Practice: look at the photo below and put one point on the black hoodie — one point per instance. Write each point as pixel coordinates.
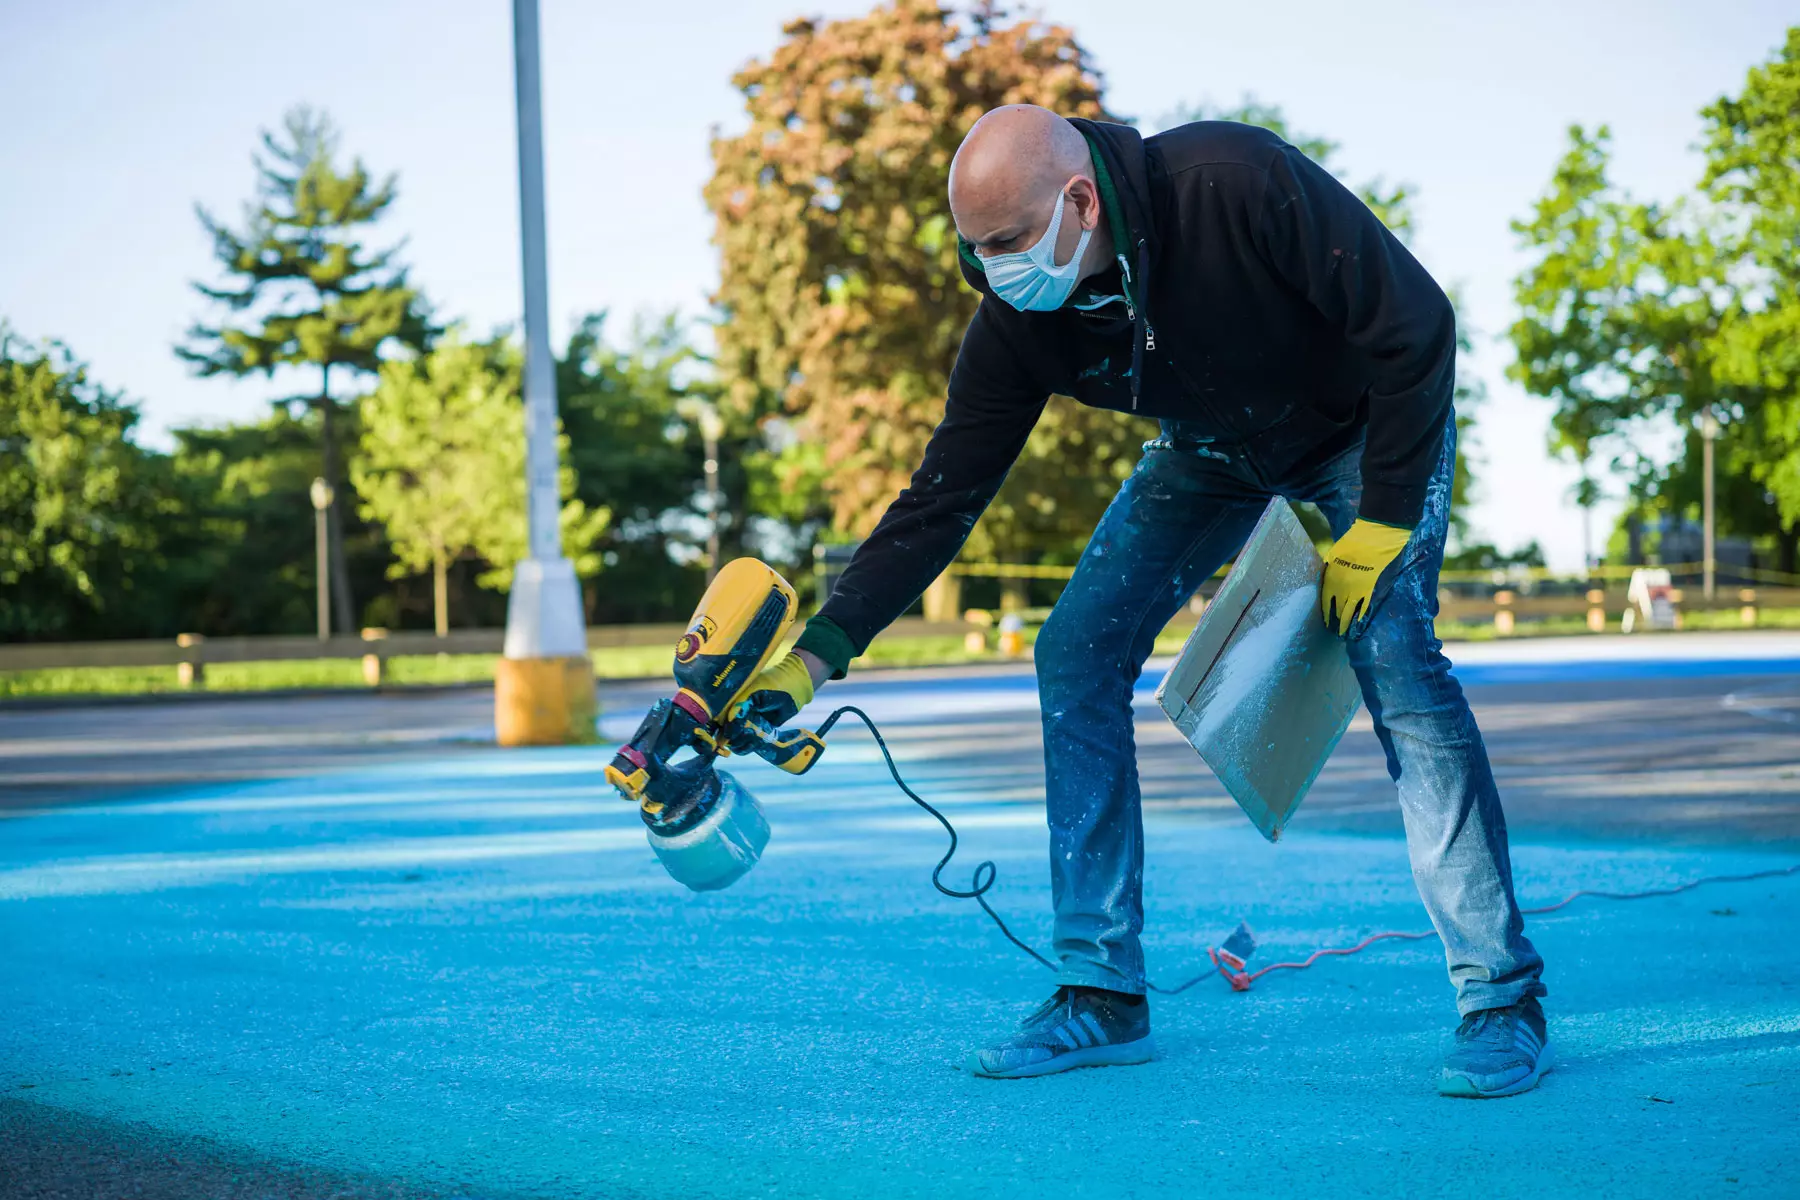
(1268, 306)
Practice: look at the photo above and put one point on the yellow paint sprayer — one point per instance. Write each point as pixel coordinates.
(706, 827)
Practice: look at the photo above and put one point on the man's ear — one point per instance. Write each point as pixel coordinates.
(1086, 194)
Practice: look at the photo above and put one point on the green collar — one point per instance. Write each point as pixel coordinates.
(1115, 211)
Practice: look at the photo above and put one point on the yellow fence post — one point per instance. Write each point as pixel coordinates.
(374, 663)
(1012, 635)
(190, 672)
(1747, 598)
(1503, 614)
(975, 641)
(1596, 613)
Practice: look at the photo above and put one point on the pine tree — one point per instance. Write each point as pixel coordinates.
(303, 290)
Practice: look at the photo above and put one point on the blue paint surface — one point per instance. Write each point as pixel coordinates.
(472, 975)
(1612, 672)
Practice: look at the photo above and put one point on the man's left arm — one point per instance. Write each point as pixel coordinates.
(1327, 244)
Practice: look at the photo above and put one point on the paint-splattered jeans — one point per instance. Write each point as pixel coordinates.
(1187, 508)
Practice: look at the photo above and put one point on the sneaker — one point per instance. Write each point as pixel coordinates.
(1498, 1052)
(1076, 1027)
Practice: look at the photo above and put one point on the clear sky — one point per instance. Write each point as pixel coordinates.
(118, 117)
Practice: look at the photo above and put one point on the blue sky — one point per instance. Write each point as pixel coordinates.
(119, 117)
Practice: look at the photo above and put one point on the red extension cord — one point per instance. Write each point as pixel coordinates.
(1232, 967)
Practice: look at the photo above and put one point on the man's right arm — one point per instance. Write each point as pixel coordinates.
(993, 404)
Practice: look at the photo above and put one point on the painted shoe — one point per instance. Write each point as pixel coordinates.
(1498, 1052)
(1076, 1027)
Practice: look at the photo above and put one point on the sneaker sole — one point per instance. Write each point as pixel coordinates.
(1461, 1086)
(1125, 1054)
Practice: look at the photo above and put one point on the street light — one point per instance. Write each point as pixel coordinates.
(705, 414)
(544, 683)
(1709, 433)
(321, 502)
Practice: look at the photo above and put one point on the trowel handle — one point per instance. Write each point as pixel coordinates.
(793, 750)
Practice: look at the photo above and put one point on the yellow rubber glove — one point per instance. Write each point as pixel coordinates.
(780, 692)
(1352, 569)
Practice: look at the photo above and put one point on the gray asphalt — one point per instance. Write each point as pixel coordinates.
(1694, 760)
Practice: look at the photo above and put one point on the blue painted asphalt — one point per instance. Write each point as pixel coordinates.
(472, 975)
(1482, 664)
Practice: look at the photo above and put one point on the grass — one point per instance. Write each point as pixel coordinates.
(651, 662)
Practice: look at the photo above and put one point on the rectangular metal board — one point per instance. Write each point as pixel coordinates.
(1262, 689)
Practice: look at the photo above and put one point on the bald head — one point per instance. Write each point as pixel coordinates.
(1014, 168)
(1016, 156)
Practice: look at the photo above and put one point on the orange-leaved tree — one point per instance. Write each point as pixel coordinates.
(842, 305)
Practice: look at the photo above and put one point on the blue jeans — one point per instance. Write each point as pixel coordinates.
(1187, 508)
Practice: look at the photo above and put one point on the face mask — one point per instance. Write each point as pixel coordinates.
(1030, 280)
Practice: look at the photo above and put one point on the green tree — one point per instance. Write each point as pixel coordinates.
(80, 502)
(303, 290)
(1753, 177)
(241, 556)
(441, 464)
(636, 453)
(842, 302)
(1627, 318)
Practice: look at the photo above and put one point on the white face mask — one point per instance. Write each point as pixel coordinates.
(1030, 280)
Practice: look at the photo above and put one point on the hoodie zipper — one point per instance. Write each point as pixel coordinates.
(1148, 340)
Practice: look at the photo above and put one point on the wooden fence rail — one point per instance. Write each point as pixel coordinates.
(189, 654)
(190, 648)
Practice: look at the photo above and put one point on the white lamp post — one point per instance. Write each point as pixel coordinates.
(544, 685)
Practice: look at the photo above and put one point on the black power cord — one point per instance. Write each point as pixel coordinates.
(985, 870)
(981, 882)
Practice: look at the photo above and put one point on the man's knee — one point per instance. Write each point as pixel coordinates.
(1400, 661)
(1076, 649)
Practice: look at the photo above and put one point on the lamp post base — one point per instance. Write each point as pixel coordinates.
(545, 702)
(544, 686)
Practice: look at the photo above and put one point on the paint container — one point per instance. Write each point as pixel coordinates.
(717, 840)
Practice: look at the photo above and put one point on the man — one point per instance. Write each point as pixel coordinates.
(1215, 278)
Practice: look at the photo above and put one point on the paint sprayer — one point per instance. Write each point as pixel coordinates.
(706, 827)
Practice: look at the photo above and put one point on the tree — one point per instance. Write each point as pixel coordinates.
(80, 503)
(842, 301)
(1753, 176)
(636, 454)
(1636, 319)
(240, 555)
(304, 291)
(441, 464)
